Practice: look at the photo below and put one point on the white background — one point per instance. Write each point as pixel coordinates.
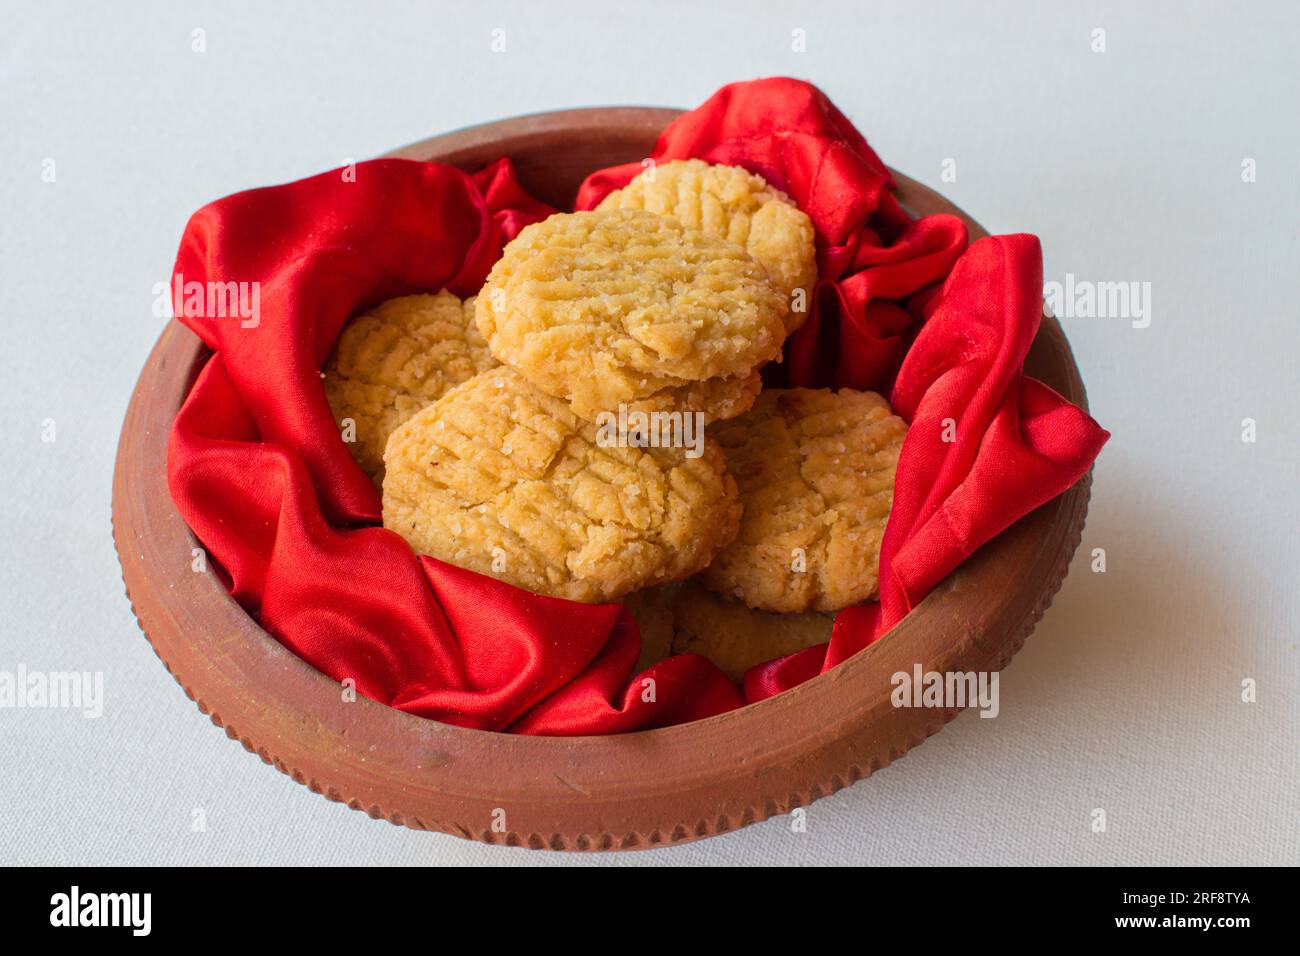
(1127, 163)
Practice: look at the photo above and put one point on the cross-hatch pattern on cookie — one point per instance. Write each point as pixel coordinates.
(815, 470)
(503, 479)
(739, 206)
(394, 360)
(609, 308)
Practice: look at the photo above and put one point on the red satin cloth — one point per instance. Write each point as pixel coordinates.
(258, 470)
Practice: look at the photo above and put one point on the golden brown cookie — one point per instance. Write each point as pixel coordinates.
(714, 398)
(688, 618)
(613, 308)
(394, 360)
(739, 206)
(503, 479)
(816, 475)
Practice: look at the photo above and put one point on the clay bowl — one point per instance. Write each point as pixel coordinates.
(587, 793)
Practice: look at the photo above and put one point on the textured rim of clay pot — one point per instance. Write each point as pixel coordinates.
(586, 793)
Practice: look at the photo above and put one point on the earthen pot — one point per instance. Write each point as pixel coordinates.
(586, 793)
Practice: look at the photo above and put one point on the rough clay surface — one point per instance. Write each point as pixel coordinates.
(613, 308)
(394, 360)
(815, 470)
(739, 206)
(503, 479)
(688, 618)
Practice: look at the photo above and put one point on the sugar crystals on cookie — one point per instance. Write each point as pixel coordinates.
(739, 206)
(815, 470)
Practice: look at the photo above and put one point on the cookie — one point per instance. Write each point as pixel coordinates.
(815, 470)
(715, 398)
(608, 309)
(654, 621)
(394, 360)
(502, 478)
(688, 618)
(737, 205)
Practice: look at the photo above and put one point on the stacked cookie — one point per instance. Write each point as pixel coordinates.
(551, 431)
(625, 308)
(502, 478)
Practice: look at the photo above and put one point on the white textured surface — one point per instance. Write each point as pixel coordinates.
(1127, 164)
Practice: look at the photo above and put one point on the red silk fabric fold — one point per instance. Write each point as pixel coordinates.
(258, 470)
